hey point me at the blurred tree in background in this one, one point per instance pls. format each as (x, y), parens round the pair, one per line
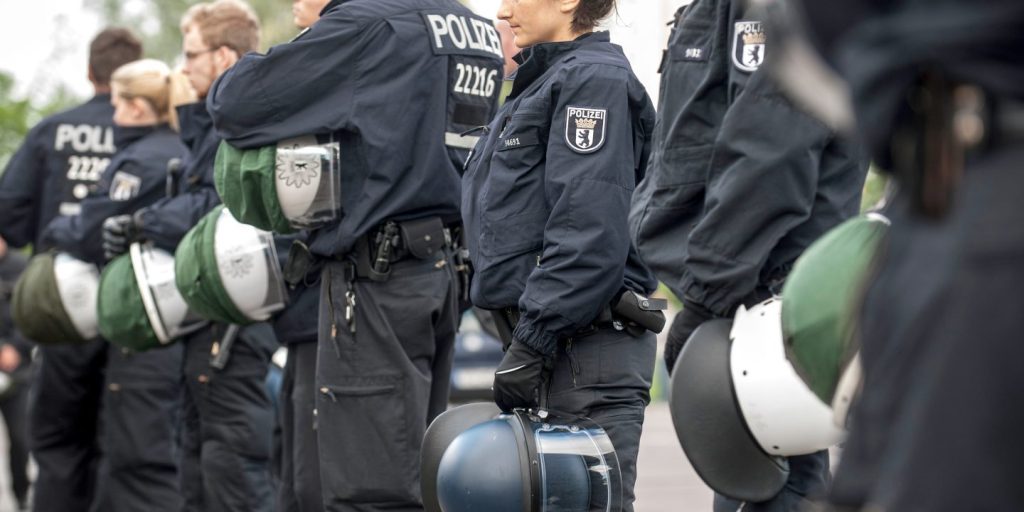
(156, 22)
(19, 114)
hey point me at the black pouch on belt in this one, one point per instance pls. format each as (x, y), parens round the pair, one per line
(423, 238)
(300, 263)
(643, 311)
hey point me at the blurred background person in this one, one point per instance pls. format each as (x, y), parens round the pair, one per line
(15, 376)
(141, 406)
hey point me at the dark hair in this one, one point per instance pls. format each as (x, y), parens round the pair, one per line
(111, 49)
(590, 12)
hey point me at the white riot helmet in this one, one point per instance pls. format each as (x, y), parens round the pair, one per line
(739, 408)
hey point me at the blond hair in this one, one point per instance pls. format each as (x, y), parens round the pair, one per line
(155, 83)
(230, 23)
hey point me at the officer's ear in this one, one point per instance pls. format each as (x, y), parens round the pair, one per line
(224, 58)
(568, 6)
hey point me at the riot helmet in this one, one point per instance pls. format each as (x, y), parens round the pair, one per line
(739, 408)
(139, 305)
(54, 301)
(526, 461)
(228, 271)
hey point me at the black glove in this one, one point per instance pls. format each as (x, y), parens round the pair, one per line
(518, 378)
(685, 323)
(118, 233)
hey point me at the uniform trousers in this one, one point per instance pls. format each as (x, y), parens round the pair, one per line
(379, 388)
(64, 409)
(300, 459)
(606, 377)
(228, 422)
(141, 431)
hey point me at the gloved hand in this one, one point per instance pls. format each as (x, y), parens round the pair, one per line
(119, 232)
(685, 323)
(518, 378)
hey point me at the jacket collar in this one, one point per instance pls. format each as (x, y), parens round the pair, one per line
(535, 60)
(331, 5)
(195, 122)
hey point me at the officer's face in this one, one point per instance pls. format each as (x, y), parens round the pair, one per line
(306, 12)
(539, 21)
(199, 66)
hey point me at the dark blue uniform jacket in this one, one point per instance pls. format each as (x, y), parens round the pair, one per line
(546, 193)
(58, 164)
(135, 178)
(397, 81)
(740, 182)
(166, 221)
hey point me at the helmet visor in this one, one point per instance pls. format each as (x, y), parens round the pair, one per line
(308, 180)
(578, 467)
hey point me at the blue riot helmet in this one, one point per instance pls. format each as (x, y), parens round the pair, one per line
(439, 435)
(532, 461)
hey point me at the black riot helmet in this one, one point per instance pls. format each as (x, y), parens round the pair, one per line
(527, 461)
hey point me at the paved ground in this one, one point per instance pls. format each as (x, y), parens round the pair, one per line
(666, 482)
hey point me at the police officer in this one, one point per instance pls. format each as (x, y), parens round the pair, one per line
(936, 93)
(142, 402)
(545, 204)
(227, 414)
(60, 161)
(740, 183)
(396, 83)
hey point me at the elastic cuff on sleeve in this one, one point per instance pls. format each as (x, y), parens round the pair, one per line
(538, 339)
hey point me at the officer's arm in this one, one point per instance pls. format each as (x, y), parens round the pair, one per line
(298, 88)
(586, 238)
(764, 176)
(166, 221)
(81, 235)
(21, 190)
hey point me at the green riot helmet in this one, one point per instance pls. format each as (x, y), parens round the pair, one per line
(293, 185)
(139, 306)
(228, 271)
(54, 301)
(822, 296)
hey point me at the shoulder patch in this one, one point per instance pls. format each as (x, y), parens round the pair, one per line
(124, 186)
(748, 45)
(585, 128)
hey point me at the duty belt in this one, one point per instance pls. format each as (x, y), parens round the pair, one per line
(629, 312)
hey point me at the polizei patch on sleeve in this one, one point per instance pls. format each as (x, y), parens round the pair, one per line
(124, 186)
(584, 128)
(748, 45)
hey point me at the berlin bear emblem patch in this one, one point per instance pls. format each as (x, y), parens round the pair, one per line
(748, 45)
(584, 128)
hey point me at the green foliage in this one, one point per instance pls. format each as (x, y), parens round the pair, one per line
(17, 115)
(157, 22)
(14, 115)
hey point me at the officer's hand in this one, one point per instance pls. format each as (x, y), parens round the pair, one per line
(685, 323)
(118, 233)
(518, 378)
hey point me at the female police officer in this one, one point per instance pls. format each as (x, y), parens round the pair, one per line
(545, 201)
(143, 390)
